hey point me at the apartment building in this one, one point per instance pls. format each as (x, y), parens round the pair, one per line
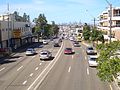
(104, 25)
(14, 33)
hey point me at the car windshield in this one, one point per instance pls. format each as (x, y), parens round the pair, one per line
(68, 49)
(93, 59)
(90, 48)
(29, 49)
(44, 53)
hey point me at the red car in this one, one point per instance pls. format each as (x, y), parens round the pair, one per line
(68, 51)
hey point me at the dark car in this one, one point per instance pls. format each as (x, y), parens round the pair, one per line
(56, 45)
(68, 51)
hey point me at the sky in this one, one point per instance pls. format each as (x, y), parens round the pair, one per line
(60, 11)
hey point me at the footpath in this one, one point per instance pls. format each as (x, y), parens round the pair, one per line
(114, 84)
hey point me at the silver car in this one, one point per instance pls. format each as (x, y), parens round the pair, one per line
(30, 51)
(90, 50)
(45, 54)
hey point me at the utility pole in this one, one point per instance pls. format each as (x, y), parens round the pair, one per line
(8, 28)
(110, 21)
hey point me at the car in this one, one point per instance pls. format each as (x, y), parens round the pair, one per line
(92, 61)
(68, 51)
(56, 45)
(90, 50)
(45, 54)
(76, 44)
(30, 51)
(45, 42)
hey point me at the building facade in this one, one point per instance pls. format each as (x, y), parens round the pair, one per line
(14, 33)
(104, 23)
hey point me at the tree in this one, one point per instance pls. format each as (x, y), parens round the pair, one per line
(86, 32)
(109, 63)
(25, 17)
(55, 29)
(97, 35)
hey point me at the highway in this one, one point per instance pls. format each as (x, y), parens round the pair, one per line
(64, 72)
(71, 72)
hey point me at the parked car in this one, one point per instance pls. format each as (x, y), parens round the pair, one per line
(45, 54)
(92, 60)
(45, 42)
(90, 50)
(68, 51)
(30, 51)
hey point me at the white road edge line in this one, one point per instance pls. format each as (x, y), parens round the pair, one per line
(24, 82)
(69, 69)
(2, 69)
(19, 68)
(88, 71)
(31, 74)
(111, 87)
(36, 68)
(58, 55)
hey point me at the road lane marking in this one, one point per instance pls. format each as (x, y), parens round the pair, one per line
(36, 68)
(69, 69)
(31, 74)
(40, 64)
(19, 68)
(24, 82)
(33, 56)
(43, 61)
(53, 63)
(2, 69)
(85, 58)
(111, 87)
(88, 71)
(72, 56)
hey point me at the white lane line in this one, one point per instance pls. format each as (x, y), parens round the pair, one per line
(2, 69)
(33, 56)
(19, 68)
(36, 68)
(88, 71)
(85, 58)
(24, 82)
(53, 63)
(72, 56)
(40, 63)
(31, 74)
(111, 87)
(69, 69)
(43, 61)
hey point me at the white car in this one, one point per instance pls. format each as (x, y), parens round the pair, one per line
(45, 54)
(92, 60)
(45, 42)
(30, 51)
(90, 50)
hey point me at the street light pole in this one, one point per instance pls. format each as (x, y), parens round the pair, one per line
(8, 29)
(110, 21)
